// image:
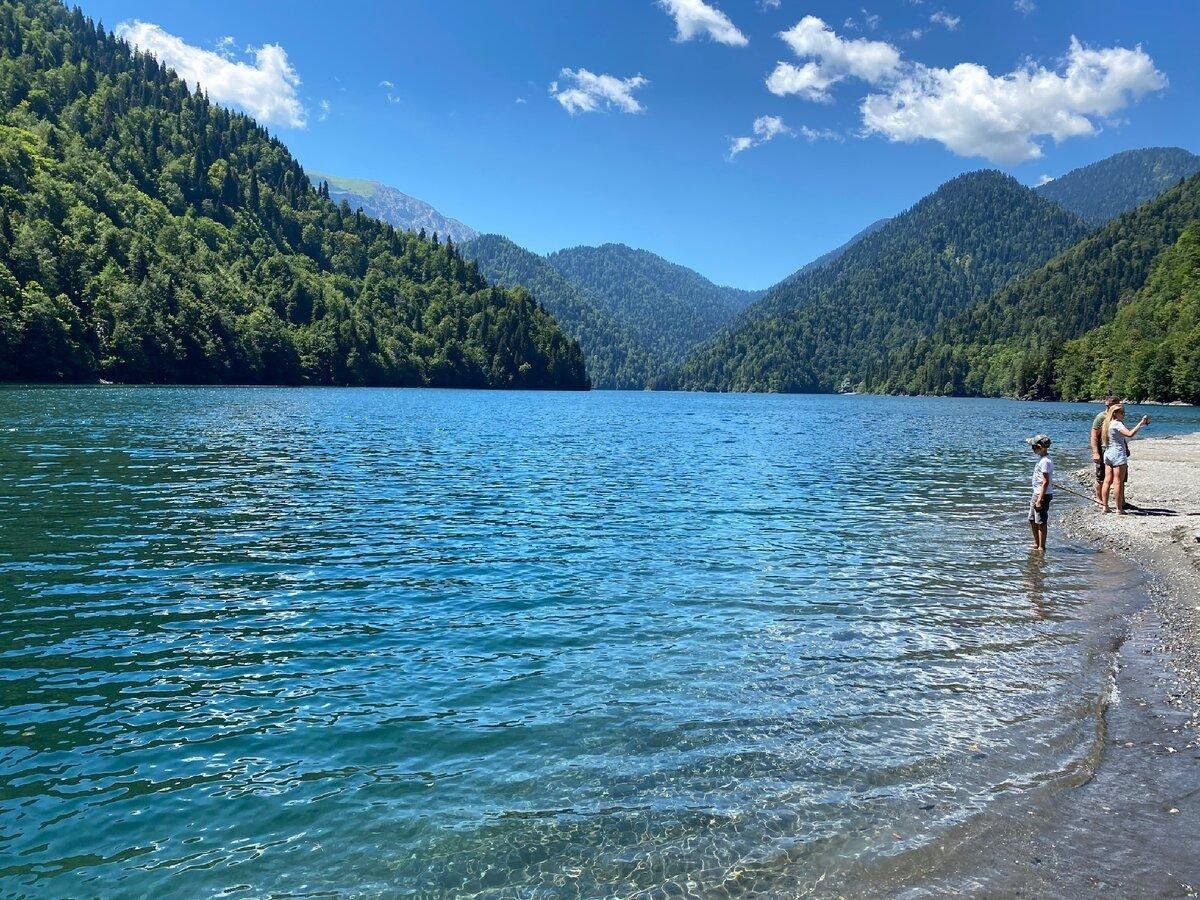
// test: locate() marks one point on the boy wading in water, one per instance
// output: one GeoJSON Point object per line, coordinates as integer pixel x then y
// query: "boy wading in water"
{"type": "Point", "coordinates": [1043, 490]}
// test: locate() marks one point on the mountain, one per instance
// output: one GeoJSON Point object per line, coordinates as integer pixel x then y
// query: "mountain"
{"type": "Point", "coordinates": [1009, 343]}
{"type": "Point", "coordinates": [1151, 348]}
{"type": "Point", "coordinates": [394, 207]}
{"type": "Point", "coordinates": [837, 253]}
{"type": "Point", "coordinates": [614, 358]}
{"type": "Point", "coordinates": [668, 308]}
{"type": "Point", "coordinates": [1102, 191]}
{"type": "Point", "coordinates": [149, 236]}
{"type": "Point", "coordinates": [832, 327]}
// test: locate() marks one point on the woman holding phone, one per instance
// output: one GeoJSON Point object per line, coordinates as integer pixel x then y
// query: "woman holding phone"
{"type": "Point", "coordinates": [1116, 457]}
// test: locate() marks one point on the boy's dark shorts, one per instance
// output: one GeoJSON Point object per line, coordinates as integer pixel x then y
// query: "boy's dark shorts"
{"type": "Point", "coordinates": [1100, 472]}
{"type": "Point", "coordinates": [1039, 514]}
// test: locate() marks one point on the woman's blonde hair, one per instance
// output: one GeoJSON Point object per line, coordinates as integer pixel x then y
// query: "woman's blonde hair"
{"type": "Point", "coordinates": [1109, 416]}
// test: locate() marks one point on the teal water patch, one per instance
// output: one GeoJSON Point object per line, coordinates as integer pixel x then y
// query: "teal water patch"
{"type": "Point", "coordinates": [369, 641]}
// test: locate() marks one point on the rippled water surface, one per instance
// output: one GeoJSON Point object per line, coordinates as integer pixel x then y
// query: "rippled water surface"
{"type": "Point", "coordinates": [487, 643]}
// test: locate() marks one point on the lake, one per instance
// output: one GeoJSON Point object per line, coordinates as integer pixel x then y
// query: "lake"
{"type": "Point", "coordinates": [399, 641]}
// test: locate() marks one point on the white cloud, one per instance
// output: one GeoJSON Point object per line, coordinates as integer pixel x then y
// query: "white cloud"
{"type": "Point", "coordinates": [819, 134]}
{"type": "Point", "coordinates": [694, 18]}
{"type": "Point", "coordinates": [1045, 179]}
{"type": "Point", "coordinates": [944, 18]}
{"type": "Point", "coordinates": [324, 113]}
{"type": "Point", "coordinates": [266, 89]}
{"type": "Point", "coordinates": [1001, 118]}
{"type": "Point", "coordinates": [386, 84]}
{"type": "Point", "coordinates": [770, 4]}
{"type": "Point", "coordinates": [766, 128]}
{"type": "Point", "coordinates": [832, 59]}
{"type": "Point", "coordinates": [1024, 6]}
{"type": "Point", "coordinates": [916, 34]}
{"type": "Point", "coordinates": [871, 19]}
{"type": "Point", "coordinates": [521, 101]}
{"type": "Point", "coordinates": [589, 92]}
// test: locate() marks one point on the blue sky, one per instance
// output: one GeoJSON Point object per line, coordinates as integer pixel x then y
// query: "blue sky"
{"type": "Point", "coordinates": [500, 114]}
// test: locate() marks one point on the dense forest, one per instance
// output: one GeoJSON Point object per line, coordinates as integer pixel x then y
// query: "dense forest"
{"type": "Point", "coordinates": [147, 235]}
{"type": "Point", "coordinates": [614, 359]}
{"type": "Point", "coordinates": [1009, 344]}
{"type": "Point", "coordinates": [1102, 191]}
{"type": "Point", "coordinates": [1151, 348]}
{"type": "Point", "coordinates": [667, 308]}
{"type": "Point", "coordinates": [833, 327]}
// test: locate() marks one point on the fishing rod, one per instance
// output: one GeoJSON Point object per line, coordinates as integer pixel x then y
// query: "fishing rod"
{"type": "Point", "coordinates": [1077, 493]}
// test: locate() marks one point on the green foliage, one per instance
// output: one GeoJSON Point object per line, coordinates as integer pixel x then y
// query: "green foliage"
{"type": "Point", "coordinates": [614, 359]}
{"type": "Point", "coordinates": [1102, 191]}
{"type": "Point", "coordinates": [1151, 348]}
{"type": "Point", "coordinates": [1009, 344]}
{"type": "Point", "coordinates": [831, 328]}
{"type": "Point", "coordinates": [667, 308]}
{"type": "Point", "coordinates": [147, 235]}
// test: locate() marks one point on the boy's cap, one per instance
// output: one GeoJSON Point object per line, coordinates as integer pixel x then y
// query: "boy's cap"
{"type": "Point", "coordinates": [1038, 440]}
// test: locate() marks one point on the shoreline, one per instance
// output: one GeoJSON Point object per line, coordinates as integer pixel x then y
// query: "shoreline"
{"type": "Point", "coordinates": [1163, 542]}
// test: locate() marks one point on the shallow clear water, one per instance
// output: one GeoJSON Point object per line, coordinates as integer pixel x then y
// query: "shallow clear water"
{"type": "Point", "coordinates": [433, 641]}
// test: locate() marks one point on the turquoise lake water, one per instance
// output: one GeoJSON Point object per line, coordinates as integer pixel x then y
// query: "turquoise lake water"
{"type": "Point", "coordinates": [383, 641]}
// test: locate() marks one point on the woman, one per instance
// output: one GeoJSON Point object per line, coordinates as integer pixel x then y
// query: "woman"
{"type": "Point", "coordinates": [1116, 457]}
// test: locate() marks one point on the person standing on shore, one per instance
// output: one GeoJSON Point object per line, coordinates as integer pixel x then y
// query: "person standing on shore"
{"type": "Point", "coordinates": [1043, 490]}
{"type": "Point", "coordinates": [1099, 442]}
{"type": "Point", "coordinates": [1116, 457]}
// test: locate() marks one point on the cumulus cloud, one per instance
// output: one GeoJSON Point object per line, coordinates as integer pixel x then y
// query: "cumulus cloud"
{"type": "Point", "coordinates": [586, 91]}
{"type": "Point", "coordinates": [265, 89]}
{"type": "Point", "coordinates": [1001, 117]}
{"type": "Point", "coordinates": [946, 20]}
{"type": "Point", "coordinates": [831, 59]}
{"type": "Point", "coordinates": [695, 18]}
{"type": "Point", "coordinates": [765, 128]}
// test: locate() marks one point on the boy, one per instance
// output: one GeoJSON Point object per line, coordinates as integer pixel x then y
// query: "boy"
{"type": "Point", "coordinates": [1043, 490]}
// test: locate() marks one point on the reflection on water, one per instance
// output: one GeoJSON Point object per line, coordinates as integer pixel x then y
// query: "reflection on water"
{"type": "Point", "coordinates": [375, 641]}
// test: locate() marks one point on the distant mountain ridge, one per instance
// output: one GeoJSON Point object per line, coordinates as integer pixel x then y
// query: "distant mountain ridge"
{"type": "Point", "coordinates": [393, 206]}
{"type": "Point", "coordinates": [615, 360]}
{"type": "Point", "coordinates": [668, 308]}
{"type": "Point", "coordinates": [833, 327]}
{"type": "Point", "coordinates": [1100, 192]}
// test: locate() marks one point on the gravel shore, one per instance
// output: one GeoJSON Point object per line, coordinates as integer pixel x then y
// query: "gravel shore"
{"type": "Point", "coordinates": [1163, 539]}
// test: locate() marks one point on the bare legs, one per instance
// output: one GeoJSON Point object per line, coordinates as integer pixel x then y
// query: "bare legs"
{"type": "Point", "coordinates": [1115, 476]}
{"type": "Point", "coordinates": [1039, 536]}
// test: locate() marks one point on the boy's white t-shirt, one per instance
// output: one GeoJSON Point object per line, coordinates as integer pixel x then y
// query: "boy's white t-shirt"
{"type": "Point", "coordinates": [1045, 466]}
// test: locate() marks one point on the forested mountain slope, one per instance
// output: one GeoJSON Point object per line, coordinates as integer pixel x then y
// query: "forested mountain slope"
{"type": "Point", "coordinates": [668, 308]}
{"type": "Point", "coordinates": [614, 358]}
{"type": "Point", "coordinates": [147, 235]}
{"type": "Point", "coordinates": [828, 259]}
{"type": "Point", "coordinates": [1102, 191]}
{"type": "Point", "coordinates": [1151, 348]}
{"type": "Point", "coordinates": [833, 328]}
{"type": "Point", "coordinates": [1007, 345]}
{"type": "Point", "coordinates": [381, 201]}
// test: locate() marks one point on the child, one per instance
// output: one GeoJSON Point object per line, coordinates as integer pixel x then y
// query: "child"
{"type": "Point", "coordinates": [1043, 490]}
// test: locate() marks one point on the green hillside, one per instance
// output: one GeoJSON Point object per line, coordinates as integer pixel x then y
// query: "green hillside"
{"type": "Point", "coordinates": [667, 308]}
{"type": "Point", "coordinates": [147, 235]}
{"type": "Point", "coordinates": [833, 327]}
{"type": "Point", "coordinates": [1151, 348]}
{"type": "Point", "coordinates": [1008, 344]}
{"type": "Point", "coordinates": [614, 359]}
{"type": "Point", "coordinates": [1102, 191]}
